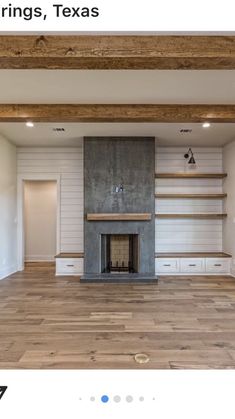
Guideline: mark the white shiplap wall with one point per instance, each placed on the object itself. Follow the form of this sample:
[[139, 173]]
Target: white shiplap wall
[[171, 235], [184, 235], [68, 163]]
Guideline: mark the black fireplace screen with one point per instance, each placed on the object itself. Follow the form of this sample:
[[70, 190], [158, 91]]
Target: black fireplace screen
[[119, 253]]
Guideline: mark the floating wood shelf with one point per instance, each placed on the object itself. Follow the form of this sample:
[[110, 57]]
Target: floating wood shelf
[[190, 196], [193, 216], [193, 255], [190, 175], [120, 217]]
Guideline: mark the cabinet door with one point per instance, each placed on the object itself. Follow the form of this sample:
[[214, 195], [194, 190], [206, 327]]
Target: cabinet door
[[167, 265], [69, 266], [192, 265], [218, 265]]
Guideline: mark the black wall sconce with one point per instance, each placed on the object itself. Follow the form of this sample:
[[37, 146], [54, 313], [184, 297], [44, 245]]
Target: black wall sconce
[[189, 155]]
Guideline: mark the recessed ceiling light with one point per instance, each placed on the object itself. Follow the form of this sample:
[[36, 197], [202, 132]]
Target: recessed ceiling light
[[29, 124], [206, 125]]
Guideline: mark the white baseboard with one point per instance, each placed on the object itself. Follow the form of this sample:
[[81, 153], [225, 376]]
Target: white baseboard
[[39, 258], [7, 271]]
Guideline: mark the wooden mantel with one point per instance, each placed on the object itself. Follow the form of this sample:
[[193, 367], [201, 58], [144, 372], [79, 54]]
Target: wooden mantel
[[119, 217]]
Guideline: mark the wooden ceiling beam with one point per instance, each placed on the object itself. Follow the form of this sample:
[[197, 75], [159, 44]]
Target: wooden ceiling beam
[[117, 52], [117, 113]]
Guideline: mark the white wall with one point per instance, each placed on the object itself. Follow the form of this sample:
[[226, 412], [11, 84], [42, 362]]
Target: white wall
[[229, 188], [8, 228], [40, 214], [188, 235], [68, 163]]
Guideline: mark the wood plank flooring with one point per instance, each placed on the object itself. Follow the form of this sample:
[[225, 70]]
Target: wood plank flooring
[[49, 322]]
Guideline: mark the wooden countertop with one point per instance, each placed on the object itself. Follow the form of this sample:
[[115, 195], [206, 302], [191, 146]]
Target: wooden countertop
[[159, 255], [69, 256], [193, 255]]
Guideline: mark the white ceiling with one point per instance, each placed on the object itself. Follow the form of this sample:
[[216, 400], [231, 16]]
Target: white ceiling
[[111, 86], [167, 134], [148, 86]]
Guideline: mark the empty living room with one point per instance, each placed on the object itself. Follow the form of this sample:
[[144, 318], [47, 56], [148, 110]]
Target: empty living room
[[117, 202]]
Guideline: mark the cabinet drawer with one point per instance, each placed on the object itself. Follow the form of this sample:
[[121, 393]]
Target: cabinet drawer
[[219, 265], [69, 266], [167, 265], [192, 265]]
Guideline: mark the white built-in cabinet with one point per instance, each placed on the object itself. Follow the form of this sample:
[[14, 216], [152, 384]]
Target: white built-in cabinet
[[193, 266], [67, 265]]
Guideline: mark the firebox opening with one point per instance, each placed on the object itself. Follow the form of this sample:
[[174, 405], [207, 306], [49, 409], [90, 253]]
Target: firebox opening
[[119, 253]]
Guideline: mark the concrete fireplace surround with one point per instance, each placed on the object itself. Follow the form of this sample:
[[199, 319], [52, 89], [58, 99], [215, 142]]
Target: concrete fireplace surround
[[119, 177]]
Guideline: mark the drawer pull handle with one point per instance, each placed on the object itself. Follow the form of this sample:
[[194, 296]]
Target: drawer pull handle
[[167, 265], [217, 264], [192, 264], [70, 266]]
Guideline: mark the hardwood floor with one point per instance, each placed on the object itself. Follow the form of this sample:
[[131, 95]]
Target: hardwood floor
[[49, 322]]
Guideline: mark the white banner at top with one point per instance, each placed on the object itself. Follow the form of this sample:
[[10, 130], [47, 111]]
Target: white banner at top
[[121, 15]]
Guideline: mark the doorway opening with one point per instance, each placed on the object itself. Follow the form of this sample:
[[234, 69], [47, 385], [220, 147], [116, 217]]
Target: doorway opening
[[40, 220]]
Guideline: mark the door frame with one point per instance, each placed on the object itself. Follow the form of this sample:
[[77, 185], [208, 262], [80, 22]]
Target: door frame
[[20, 212]]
